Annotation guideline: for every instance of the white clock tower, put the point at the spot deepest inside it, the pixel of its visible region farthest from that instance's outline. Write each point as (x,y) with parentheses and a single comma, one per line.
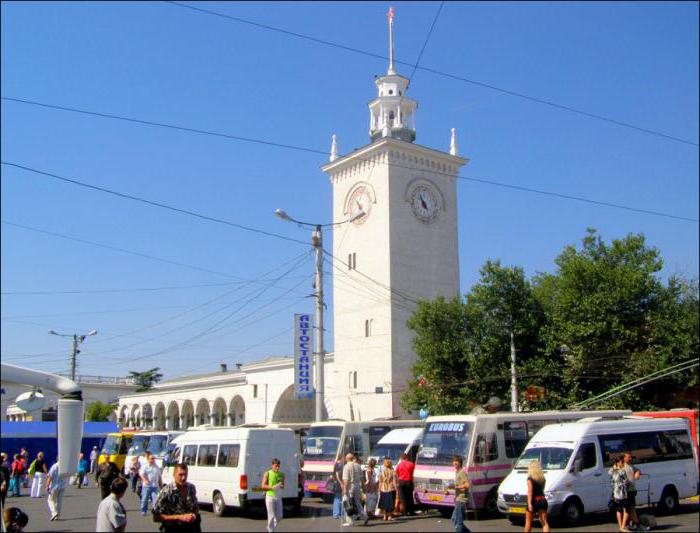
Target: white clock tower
(402,250)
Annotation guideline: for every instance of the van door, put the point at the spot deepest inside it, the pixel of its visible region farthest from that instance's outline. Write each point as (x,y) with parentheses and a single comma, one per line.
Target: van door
(588,480)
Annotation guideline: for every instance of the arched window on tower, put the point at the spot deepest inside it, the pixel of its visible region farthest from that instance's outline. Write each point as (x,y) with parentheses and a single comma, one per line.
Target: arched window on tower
(391,118)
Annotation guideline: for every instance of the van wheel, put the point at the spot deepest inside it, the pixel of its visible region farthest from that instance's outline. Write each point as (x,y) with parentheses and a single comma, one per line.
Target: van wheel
(669,500)
(218,506)
(490,505)
(572,513)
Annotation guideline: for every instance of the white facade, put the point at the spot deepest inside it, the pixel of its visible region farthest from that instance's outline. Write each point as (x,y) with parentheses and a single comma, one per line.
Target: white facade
(260,392)
(402,248)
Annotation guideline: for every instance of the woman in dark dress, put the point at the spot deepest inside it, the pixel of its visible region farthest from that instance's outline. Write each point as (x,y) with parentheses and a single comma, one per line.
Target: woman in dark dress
(387,490)
(536,502)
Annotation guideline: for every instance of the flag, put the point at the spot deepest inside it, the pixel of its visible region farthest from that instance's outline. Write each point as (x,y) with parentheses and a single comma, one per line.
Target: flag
(390,13)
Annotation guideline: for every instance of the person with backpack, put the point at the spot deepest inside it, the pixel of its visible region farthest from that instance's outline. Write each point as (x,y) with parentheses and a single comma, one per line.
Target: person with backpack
(353,483)
(16,473)
(37,473)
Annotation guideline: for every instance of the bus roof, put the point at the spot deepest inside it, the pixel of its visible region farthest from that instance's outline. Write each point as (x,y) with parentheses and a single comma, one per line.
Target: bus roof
(532,415)
(573,431)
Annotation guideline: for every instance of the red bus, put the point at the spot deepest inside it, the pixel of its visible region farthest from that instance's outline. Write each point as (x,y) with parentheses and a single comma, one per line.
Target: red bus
(689,414)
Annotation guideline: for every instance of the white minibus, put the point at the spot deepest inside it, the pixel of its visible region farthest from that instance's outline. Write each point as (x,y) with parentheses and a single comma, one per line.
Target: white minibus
(396,442)
(489,444)
(158,444)
(328,441)
(576,458)
(226,465)
(139,444)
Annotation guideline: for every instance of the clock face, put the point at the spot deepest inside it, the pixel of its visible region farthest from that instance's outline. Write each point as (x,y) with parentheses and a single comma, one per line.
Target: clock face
(424,203)
(359,201)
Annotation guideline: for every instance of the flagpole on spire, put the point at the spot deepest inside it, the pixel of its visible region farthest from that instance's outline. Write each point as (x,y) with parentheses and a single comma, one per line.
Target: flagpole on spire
(390,15)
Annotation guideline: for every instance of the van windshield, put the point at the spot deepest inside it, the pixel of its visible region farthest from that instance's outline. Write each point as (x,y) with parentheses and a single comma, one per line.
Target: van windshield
(322,443)
(111,445)
(442,441)
(550,457)
(158,444)
(139,444)
(392,451)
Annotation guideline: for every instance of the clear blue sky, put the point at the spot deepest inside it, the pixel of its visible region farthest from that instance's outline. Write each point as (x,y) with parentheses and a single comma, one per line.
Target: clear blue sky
(635,62)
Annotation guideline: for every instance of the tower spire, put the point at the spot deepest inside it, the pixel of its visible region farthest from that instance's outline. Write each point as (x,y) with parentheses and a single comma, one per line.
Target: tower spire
(390,16)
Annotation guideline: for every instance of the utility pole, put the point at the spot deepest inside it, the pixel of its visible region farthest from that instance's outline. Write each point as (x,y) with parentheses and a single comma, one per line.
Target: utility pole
(317,243)
(73,353)
(513,377)
(77,341)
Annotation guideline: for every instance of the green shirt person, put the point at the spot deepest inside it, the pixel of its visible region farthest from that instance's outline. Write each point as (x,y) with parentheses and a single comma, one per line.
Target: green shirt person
(272,484)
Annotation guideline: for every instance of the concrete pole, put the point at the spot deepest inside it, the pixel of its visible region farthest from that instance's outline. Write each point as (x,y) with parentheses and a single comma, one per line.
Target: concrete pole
(513,377)
(72,357)
(317,243)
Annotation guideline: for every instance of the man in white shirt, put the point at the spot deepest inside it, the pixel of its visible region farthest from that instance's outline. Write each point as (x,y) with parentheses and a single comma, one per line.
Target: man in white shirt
(151,482)
(111,515)
(55,485)
(93,460)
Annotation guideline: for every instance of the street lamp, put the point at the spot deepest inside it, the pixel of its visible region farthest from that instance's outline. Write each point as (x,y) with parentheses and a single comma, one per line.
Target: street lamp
(317,243)
(77,340)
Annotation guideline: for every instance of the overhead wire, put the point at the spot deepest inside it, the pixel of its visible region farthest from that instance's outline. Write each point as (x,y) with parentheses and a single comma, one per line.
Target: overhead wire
(118,249)
(394,164)
(437,72)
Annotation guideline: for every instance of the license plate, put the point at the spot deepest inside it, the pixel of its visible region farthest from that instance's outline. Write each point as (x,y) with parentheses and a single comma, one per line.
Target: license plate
(517,510)
(434,497)
(313,487)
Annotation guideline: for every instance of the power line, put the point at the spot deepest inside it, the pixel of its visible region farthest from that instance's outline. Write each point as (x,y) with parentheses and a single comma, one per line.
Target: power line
(117,249)
(157,204)
(300,148)
(509,92)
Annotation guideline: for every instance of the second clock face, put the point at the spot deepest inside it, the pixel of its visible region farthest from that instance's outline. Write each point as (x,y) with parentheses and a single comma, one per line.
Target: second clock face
(424,203)
(359,201)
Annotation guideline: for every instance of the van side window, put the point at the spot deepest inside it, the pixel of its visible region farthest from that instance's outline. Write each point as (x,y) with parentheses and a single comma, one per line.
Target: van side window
(516,438)
(486,448)
(587,456)
(228,454)
(533,426)
(375,435)
(189,454)
(207,455)
(353,444)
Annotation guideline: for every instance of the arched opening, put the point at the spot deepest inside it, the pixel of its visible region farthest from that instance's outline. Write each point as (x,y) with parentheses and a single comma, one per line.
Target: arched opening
(173,416)
(219,413)
(159,417)
(236,411)
(123,416)
(202,413)
(135,416)
(187,415)
(147,415)
(289,409)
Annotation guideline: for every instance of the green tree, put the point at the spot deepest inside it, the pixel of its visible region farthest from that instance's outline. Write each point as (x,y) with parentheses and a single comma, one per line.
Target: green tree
(463,346)
(98,412)
(145,380)
(609,319)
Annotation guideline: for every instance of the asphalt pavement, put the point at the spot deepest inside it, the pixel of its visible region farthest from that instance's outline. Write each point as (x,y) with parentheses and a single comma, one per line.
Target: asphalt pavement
(80,506)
